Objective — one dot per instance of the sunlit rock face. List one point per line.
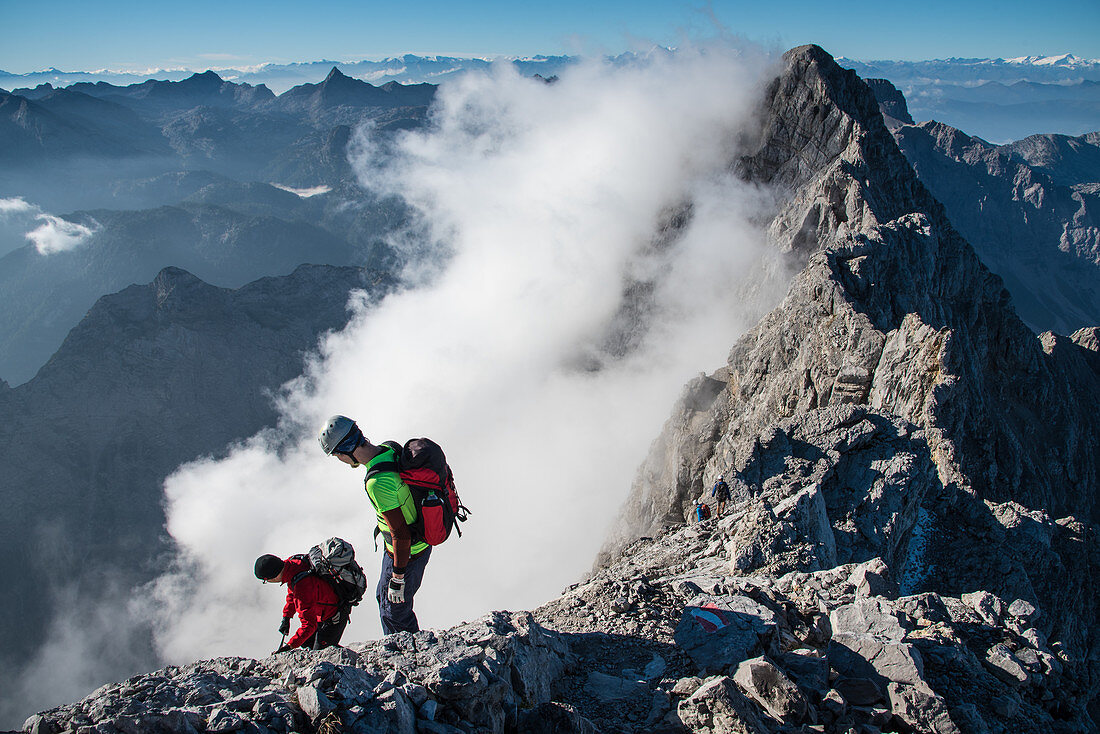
(892, 312)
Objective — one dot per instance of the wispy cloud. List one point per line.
(59, 235)
(16, 205)
(52, 234)
(305, 193)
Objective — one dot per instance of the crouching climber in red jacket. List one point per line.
(309, 597)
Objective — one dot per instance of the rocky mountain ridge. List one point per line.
(404, 69)
(895, 312)
(911, 545)
(669, 639)
(71, 148)
(416, 69)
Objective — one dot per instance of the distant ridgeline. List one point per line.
(407, 69)
(998, 100)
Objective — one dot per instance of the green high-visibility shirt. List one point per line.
(387, 492)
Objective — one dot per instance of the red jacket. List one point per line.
(312, 599)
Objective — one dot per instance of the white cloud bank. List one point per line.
(550, 200)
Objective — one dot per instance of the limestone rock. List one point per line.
(475, 673)
(864, 656)
(1004, 664)
(609, 687)
(874, 617)
(718, 706)
(873, 578)
(552, 718)
(770, 687)
(314, 703)
(920, 709)
(720, 632)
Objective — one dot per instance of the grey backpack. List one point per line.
(334, 561)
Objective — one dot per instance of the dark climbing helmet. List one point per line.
(336, 431)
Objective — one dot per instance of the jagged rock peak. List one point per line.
(1089, 338)
(891, 101)
(339, 78)
(206, 79)
(820, 122)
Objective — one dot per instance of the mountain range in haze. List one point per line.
(999, 100)
(184, 174)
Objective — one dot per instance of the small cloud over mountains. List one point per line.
(15, 205)
(306, 192)
(53, 234)
(58, 235)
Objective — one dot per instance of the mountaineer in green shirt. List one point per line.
(388, 492)
(404, 561)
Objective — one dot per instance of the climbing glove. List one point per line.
(284, 628)
(396, 590)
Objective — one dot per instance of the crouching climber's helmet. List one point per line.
(340, 435)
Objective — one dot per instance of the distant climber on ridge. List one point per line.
(721, 493)
(405, 558)
(313, 600)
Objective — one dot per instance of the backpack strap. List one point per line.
(299, 576)
(331, 582)
(384, 466)
(381, 467)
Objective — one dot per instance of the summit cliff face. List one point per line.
(976, 465)
(910, 545)
(894, 311)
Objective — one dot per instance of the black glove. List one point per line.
(285, 626)
(396, 590)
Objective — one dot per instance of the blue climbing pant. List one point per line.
(400, 617)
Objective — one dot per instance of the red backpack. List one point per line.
(423, 466)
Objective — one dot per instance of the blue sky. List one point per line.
(126, 35)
